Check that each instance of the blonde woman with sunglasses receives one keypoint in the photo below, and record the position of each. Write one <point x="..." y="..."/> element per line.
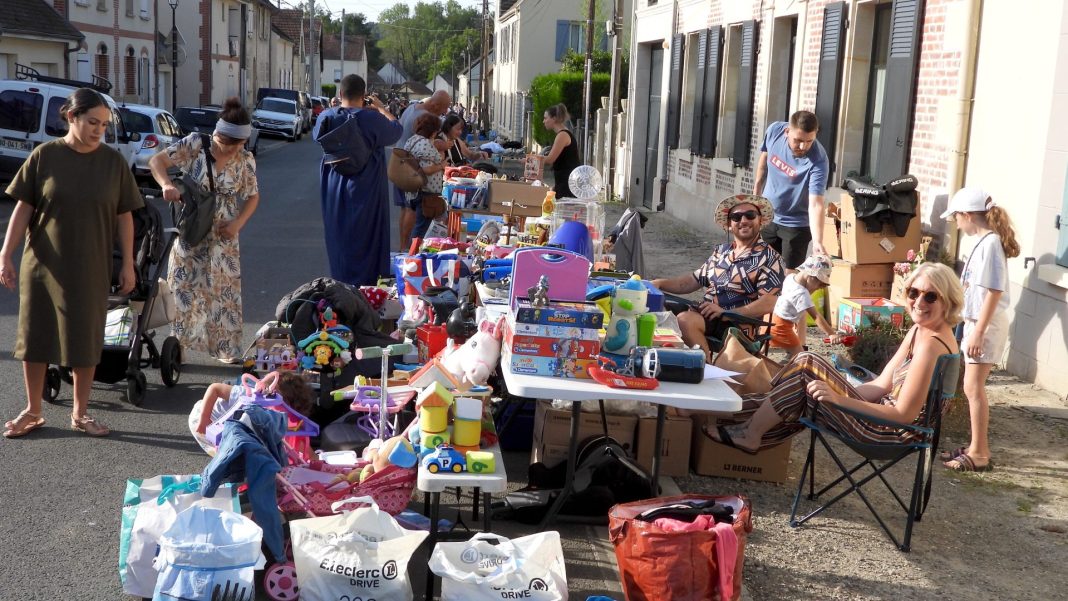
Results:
<point x="809" y="385"/>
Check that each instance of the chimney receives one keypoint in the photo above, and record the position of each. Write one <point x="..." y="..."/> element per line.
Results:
<point x="61" y="7"/>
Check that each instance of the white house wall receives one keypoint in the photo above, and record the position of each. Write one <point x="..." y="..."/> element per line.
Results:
<point x="119" y="31"/>
<point x="42" y="54"/>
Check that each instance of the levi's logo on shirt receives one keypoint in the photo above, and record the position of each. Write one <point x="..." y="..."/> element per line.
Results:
<point x="782" y="166"/>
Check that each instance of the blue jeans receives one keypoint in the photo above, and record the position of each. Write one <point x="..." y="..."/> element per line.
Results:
<point x="422" y="224"/>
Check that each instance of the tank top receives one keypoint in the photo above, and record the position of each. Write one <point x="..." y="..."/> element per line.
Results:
<point x="455" y="156"/>
<point x="564" y="165"/>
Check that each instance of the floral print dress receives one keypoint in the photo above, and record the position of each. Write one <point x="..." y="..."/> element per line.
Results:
<point x="206" y="278"/>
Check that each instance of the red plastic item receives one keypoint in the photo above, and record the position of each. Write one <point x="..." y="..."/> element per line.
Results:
<point x="845" y="340"/>
<point x="614" y="380"/>
<point x="430" y="339"/>
<point x="659" y="565"/>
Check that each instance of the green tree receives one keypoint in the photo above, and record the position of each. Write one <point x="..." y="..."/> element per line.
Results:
<point x="429" y="38"/>
<point x="357" y="24"/>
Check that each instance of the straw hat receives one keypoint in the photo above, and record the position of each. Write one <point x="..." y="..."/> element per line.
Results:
<point x="726" y="205"/>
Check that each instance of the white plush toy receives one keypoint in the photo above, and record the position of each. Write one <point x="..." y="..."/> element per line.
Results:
<point x="474" y="361"/>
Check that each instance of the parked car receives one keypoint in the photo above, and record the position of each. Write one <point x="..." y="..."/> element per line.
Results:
<point x="202" y="119"/>
<point x="158" y="129"/>
<point x="302" y="100"/>
<point x="279" y="115"/>
<point x="319" y="104"/>
<point x="29" y="117"/>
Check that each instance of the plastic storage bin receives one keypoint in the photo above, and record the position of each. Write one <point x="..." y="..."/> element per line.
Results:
<point x="590" y="212"/>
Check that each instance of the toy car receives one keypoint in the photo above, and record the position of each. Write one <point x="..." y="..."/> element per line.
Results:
<point x="445" y="458"/>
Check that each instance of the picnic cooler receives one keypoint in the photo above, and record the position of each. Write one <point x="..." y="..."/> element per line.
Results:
<point x="667" y="565"/>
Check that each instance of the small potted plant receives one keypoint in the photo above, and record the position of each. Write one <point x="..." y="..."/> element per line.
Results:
<point x="877" y="342"/>
<point x="902" y="270"/>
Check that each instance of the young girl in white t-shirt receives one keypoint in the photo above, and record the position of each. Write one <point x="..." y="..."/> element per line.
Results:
<point x="795" y="304"/>
<point x="986" y="323"/>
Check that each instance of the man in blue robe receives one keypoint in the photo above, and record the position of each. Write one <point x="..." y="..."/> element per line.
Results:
<point x="356" y="208"/>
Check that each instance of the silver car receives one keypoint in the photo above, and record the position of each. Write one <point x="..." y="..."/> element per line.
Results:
<point x="280" y="116"/>
<point x="158" y="129"/>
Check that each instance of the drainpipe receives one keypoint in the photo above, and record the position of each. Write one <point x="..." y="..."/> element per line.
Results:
<point x="663" y="156"/>
<point x="963" y="105"/>
<point x="66" y="57"/>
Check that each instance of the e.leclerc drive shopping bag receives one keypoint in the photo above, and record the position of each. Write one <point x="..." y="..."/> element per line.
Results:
<point x="149" y="507"/>
<point x="362" y="553"/>
<point x="528" y="567"/>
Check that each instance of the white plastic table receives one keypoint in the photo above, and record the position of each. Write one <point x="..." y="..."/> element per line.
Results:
<point x="431" y="485"/>
<point x="709" y="395"/>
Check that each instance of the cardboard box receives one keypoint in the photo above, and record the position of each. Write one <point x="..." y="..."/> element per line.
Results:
<point x="674" y="445"/>
<point x="552" y="432"/>
<point x="831" y="240"/>
<point x="852" y="280"/>
<point x="897" y="289"/>
<point x="547" y="366"/>
<point x="516" y="198"/>
<point x="710" y="458"/>
<point x="855" y="312"/>
<point x="544" y="346"/>
<point x="533" y="329"/>
<point x="581" y="315"/>
<point x="862" y="247"/>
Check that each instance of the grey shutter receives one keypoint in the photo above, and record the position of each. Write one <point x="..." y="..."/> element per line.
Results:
<point x="562" y="31"/>
<point x="906" y="24"/>
<point x="829" y="83"/>
<point x="710" y="110"/>
<point x="699" y="92"/>
<point x="675" y="90"/>
<point x="746" y="89"/>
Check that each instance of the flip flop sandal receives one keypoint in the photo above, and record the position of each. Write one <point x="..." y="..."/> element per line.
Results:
<point x="22" y="425"/>
<point x="966" y="464"/>
<point x="725" y="439"/>
<point x="951" y="455"/>
<point x="89" y="426"/>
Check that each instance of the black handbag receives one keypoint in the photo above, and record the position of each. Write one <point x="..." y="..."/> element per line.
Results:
<point x="344" y="147"/>
<point x="198" y="206"/>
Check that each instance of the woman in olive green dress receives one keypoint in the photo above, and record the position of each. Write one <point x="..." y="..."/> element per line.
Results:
<point x="73" y="194"/>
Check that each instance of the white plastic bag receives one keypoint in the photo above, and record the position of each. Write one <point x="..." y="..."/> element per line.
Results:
<point x="359" y="554"/>
<point x="207" y="553"/>
<point x="529" y="567"/>
<point x="149" y="507"/>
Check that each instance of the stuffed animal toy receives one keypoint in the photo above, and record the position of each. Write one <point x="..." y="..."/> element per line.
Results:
<point x="475" y="360"/>
<point x="394" y="451"/>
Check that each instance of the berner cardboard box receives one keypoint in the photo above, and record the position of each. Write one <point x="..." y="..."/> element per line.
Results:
<point x="861" y="246"/>
<point x="516" y="198"/>
<point x="852" y="280"/>
<point x="709" y="458"/>
<point x="674" y="445"/>
<point x="552" y="432"/>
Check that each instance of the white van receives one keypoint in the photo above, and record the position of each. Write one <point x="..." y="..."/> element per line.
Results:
<point x="29" y="116"/>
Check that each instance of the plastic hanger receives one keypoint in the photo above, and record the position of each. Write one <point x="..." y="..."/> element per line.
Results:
<point x="254" y="393"/>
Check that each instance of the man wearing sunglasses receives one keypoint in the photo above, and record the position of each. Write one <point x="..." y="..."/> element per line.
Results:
<point x="743" y="275"/>
<point x="792" y="173"/>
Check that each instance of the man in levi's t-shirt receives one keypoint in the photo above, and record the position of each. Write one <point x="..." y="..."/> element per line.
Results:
<point x="792" y="173"/>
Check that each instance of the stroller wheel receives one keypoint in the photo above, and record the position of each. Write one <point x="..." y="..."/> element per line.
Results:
<point x="170" y="361"/>
<point x="52" y="384"/>
<point x="135" y="389"/>
<point x="66" y="375"/>
<point x="280" y="582"/>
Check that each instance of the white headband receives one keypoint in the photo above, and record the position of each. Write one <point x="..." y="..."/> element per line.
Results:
<point x="237" y="132"/>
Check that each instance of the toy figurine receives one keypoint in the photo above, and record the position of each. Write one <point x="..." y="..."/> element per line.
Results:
<point x="539" y="293"/>
<point x="628" y="301"/>
<point x="461" y="323"/>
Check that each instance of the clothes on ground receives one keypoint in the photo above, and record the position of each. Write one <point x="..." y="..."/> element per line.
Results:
<point x="986" y="269"/>
<point x="492" y="147"/>
<point x="735" y="281"/>
<point x="791" y="180"/>
<point x="251" y="450"/>
<point x="206" y="278"/>
<point x="66" y="266"/>
<point x="356" y="209"/>
<point x="790" y="400"/>
<point x="564" y="165"/>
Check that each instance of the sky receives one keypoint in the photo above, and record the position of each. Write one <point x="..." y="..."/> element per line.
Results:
<point x="371" y="8"/>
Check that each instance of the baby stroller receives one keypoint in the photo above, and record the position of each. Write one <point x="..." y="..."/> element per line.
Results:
<point x="123" y="357"/>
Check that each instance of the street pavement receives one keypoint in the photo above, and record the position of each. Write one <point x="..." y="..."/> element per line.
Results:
<point x="61" y="491"/>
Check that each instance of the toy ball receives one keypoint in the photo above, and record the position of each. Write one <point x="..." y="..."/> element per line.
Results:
<point x="575" y="237"/>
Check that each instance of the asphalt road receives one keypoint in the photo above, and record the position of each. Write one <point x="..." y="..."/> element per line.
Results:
<point x="61" y="491"/>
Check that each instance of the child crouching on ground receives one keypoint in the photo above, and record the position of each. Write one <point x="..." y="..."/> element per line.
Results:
<point x="219" y="398"/>
<point x="795" y="304"/>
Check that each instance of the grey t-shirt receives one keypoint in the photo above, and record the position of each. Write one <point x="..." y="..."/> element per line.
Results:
<point x="986" y="269"/>
<point x="407" y="121"/>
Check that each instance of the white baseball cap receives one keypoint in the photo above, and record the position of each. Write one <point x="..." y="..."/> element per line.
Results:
<point x="968" y="200"/>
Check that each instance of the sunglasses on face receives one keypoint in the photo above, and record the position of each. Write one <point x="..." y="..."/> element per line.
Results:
<point x="738" y="215"/>
<point x="929" y="296"/>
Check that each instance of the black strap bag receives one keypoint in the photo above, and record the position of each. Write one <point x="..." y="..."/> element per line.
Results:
<point x="198" y="206"/>
<point x="344" y="147"/>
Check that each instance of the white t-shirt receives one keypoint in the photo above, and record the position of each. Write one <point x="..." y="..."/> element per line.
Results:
<point x="794" y="299"/>
<point x="985" y="269"/>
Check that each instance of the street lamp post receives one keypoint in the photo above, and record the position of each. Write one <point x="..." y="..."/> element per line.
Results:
<point x="174" y="55"/>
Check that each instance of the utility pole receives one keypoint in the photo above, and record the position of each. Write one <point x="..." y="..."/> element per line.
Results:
<point x="613" y="94"/>
<point x="588" y="90"/>
<point x="342" y="43"/>
<point x="483" y="112"/>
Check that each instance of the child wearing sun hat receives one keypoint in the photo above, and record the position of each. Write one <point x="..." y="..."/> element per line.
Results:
<point x="795" y="303"/>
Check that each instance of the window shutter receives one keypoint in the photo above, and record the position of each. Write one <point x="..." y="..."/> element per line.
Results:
<point x="1062" y="229"/>
<point x="563" y="28"/>
<point x="746" y="89"/>
<point x="829" y="83"/>
<point x="906" y="22"/>
<point x="675" y="90"/>
<point x="699" y="92"/>
<point x="710" y="99"/>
